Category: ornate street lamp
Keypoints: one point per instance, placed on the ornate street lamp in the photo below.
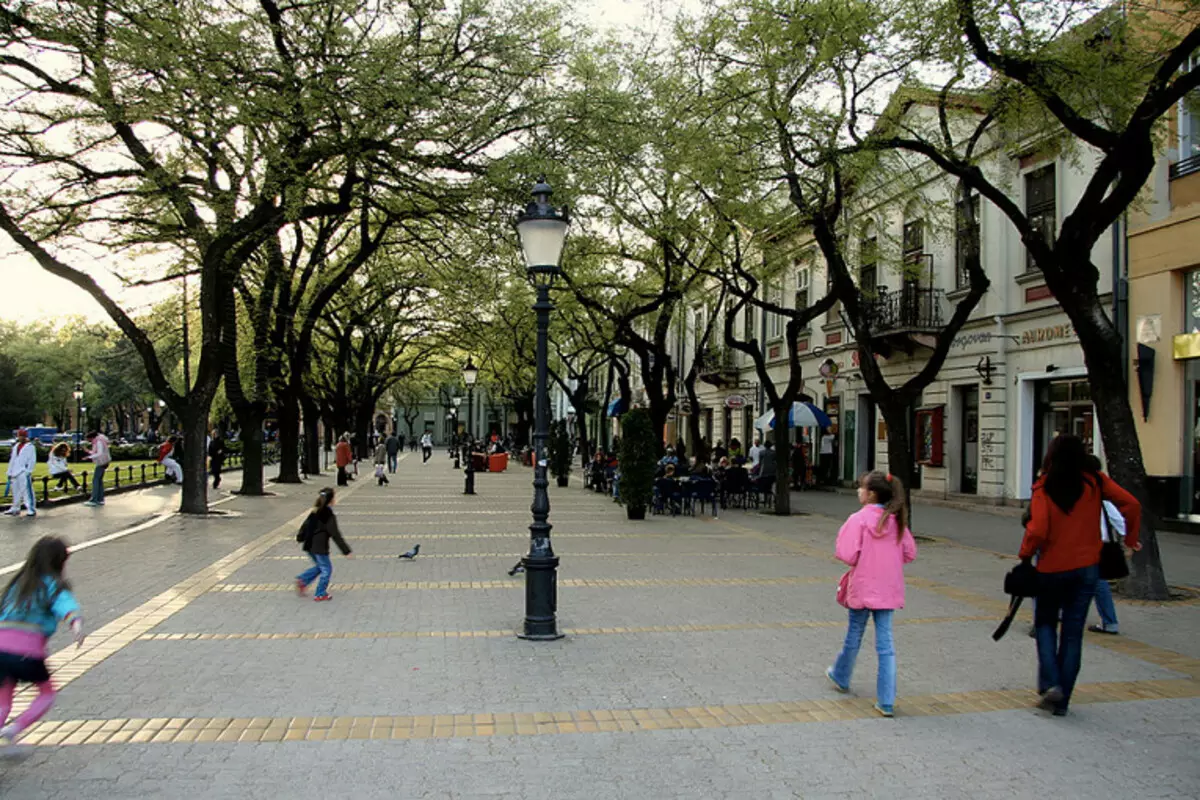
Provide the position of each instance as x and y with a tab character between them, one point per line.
470	375
542	230
78	395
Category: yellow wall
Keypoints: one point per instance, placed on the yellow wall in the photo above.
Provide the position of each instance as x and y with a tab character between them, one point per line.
1161	436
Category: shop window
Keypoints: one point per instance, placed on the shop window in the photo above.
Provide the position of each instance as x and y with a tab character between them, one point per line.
1041	207
930	436
1193	301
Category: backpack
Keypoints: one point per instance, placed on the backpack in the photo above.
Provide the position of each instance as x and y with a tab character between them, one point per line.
307	529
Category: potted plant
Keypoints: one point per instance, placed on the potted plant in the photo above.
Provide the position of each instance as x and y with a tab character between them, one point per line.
560	452
637	461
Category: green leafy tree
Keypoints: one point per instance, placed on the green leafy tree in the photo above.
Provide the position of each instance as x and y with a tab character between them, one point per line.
638	459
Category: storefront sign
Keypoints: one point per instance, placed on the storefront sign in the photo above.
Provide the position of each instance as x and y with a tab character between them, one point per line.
1186	345
735	401
965	340
1051	333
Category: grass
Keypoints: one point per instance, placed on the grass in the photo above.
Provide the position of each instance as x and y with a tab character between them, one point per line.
110	477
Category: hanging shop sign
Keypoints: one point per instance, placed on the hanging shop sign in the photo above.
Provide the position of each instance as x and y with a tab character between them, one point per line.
735	401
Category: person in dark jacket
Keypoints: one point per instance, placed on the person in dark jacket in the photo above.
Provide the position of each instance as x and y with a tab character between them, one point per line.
216	457
318	529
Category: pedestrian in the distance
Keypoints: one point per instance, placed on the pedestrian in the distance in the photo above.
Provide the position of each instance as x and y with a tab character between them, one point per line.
36	599
426	447
381	458
22	460
876	543
216	457
393	451
58	462
101	456
343	456
166	457
1065	512
315	533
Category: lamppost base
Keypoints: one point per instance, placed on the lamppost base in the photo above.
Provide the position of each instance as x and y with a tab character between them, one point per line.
541	637
470	486
457	465
541	599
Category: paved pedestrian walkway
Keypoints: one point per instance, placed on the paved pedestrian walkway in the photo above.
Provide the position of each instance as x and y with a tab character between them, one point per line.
692	667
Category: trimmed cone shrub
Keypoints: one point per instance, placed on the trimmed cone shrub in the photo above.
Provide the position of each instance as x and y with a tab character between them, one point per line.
637	460
560	450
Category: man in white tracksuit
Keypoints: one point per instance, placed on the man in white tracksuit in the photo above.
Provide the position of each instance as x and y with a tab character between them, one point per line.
21	463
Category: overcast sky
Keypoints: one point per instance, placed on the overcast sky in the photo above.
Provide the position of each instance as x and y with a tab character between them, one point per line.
32	294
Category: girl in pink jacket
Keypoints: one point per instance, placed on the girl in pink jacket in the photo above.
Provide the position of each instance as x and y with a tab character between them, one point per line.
876	543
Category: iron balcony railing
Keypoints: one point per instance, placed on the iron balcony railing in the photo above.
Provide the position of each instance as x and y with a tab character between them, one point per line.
1185	167
716	362
912	308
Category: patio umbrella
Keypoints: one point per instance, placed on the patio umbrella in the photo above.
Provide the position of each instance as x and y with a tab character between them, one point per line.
802	415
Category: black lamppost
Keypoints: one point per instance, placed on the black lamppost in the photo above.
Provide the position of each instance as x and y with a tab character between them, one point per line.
542	230
470	375
78	395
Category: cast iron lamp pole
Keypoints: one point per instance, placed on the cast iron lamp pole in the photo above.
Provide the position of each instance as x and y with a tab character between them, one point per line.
470	375
542	230
78	395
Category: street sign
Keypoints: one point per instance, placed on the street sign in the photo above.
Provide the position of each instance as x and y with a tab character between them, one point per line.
735	401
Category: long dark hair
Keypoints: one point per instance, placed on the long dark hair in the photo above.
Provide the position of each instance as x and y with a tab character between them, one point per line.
45	560
1066	468
889	491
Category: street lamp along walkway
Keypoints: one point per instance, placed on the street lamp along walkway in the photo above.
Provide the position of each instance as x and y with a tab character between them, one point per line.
542	230
470	375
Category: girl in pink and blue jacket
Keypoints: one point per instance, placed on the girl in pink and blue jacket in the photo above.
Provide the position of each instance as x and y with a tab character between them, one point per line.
876	543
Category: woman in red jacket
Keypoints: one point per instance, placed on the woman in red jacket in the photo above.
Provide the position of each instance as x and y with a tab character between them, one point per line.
1063	532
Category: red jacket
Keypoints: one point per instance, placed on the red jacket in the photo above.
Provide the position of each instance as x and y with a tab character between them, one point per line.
1072	541
342	454
164	450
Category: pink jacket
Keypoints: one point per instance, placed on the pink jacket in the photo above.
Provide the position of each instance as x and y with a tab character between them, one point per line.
876	559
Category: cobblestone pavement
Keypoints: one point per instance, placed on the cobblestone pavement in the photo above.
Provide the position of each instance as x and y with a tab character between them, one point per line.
692	667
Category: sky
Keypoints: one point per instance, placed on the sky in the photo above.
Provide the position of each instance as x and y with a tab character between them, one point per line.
32	294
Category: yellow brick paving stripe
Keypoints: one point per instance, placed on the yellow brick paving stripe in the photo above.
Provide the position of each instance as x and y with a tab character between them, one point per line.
575	583
446	726
525	536
497	634
510	554
71	662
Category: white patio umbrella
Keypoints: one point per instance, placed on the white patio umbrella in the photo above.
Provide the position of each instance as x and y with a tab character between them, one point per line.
802	415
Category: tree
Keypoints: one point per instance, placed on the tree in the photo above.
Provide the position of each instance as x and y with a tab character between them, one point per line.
194	138
17	403
1098	93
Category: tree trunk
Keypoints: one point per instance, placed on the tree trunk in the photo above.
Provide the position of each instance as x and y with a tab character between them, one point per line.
900	452
312	436
289	438
699	446
1118	431
250	417
362	430
194	496
783	461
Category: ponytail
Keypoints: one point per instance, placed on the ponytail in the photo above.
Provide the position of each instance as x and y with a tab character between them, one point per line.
324	498
890	491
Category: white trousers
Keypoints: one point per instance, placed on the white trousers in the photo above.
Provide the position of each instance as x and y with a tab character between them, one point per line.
173	469
23	494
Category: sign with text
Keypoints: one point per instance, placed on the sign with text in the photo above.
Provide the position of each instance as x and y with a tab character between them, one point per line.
735	401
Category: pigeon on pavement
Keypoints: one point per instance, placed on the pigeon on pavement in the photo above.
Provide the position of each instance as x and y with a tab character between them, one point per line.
411	554
518	567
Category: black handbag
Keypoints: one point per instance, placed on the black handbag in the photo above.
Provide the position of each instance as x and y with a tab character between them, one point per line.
1021	581
1113	566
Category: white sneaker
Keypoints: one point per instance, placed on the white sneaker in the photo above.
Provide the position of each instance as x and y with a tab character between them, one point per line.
11	513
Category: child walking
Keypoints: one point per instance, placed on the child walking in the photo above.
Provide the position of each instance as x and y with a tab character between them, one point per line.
34	602
876	543
381	460
315	533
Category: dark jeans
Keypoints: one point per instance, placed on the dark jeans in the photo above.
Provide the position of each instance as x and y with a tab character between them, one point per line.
342	477
63	478
1060	652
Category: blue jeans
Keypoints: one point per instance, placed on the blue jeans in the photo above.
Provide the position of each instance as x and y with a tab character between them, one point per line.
1105	607
885	647
1060	653
321	566
98	483
392	462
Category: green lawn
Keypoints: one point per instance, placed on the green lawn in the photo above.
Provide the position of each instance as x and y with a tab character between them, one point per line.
110	477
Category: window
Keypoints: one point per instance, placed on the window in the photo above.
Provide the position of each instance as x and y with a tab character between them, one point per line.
1041	207
698	332
966	239
748	322
868	270
916	262
1189	117
774	321
803	277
